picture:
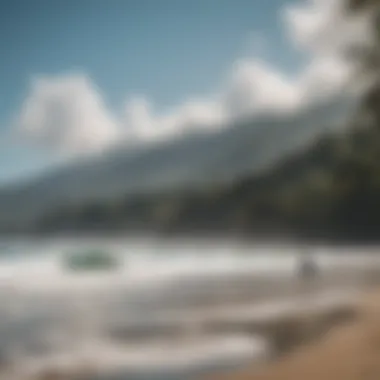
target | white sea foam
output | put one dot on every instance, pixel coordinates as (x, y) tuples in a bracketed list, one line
[(48, 311)]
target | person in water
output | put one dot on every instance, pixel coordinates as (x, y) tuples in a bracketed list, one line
[(308, 268)]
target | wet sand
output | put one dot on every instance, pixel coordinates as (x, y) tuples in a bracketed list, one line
[(350, 351)]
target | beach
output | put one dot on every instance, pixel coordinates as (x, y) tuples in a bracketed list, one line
[(349, 351), (171, 312)]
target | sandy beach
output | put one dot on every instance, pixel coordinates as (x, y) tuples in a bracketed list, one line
[(349, 351)]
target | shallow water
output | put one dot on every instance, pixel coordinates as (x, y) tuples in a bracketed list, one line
[(47, 309)]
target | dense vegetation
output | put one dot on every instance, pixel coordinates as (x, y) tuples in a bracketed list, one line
[(329, 190)]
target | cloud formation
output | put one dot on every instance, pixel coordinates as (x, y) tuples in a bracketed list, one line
[(68, 114), (323, 27)]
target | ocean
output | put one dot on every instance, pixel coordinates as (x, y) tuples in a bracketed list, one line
[(137, 322)]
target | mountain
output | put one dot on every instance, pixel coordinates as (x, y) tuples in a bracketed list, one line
[(189, 162)]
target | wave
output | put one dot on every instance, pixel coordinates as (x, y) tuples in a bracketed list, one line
[(48, 311)]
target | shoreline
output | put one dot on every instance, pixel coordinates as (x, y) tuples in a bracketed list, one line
[(249, 240), (349, 351)]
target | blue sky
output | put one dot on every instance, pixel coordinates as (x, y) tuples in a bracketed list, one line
[(156, 54)]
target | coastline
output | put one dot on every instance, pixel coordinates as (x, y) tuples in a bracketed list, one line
[(350, 351), (190, 236)]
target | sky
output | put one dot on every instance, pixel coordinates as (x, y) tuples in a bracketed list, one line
[(79, 77)]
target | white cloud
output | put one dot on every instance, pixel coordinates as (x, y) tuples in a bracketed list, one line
[(196, 113), (255, 86), (67, 112), (139, 118), (311, 23), (323, 26), (327, 33), (324, 77)]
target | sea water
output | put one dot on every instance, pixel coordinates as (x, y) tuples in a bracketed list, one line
[(45, 308)]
